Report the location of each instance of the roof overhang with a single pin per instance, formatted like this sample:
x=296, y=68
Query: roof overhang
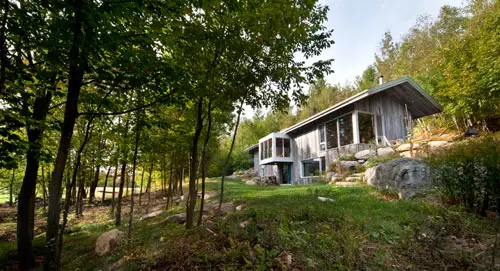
x=404, y=89
x=252, y=148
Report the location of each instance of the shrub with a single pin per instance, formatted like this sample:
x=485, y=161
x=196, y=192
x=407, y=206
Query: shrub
x=377, y=160
x=469, y=174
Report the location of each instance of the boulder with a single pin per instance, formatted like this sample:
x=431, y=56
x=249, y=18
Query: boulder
x=244, y=224
x=437, y=145
x=349, y=164
x=335, y=179
x=240, y=207
x=153, y=214
x=365, y=154
x=108, y=241
x=385, y=151
x=178, y=218
x=406, y=147
x=250, y=182
x=406, y=176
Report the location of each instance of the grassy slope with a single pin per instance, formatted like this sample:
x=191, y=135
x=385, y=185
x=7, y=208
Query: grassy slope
x=360, y=229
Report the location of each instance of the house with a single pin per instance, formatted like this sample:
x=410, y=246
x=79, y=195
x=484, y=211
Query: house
x=371, y=118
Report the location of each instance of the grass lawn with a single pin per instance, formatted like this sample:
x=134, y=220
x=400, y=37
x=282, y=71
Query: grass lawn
x=288, y=227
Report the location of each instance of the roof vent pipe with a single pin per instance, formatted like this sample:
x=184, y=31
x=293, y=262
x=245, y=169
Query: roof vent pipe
x=381, y=80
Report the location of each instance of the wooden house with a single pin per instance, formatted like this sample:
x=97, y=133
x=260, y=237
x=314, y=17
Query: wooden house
x=371, y=118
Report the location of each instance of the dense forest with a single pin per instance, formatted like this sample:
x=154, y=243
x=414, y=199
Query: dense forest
x=150, y=94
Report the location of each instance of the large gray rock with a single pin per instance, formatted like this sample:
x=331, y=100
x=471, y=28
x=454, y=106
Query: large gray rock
x=153, y=214
x=365, y=154
x=406, y=176
x=437, y=145
x=406, y=147
x=178, y=218
x=108, y=241
x=385, y=151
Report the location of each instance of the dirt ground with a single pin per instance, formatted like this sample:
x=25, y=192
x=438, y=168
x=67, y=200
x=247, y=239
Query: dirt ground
x=92, y=213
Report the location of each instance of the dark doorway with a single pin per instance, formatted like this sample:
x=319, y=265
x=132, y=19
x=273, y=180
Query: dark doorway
x=286, y=173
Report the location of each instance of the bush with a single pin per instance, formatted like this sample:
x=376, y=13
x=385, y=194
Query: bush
x=377, y=160
x=469, y=174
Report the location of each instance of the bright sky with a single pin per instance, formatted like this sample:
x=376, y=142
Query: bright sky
x=359, y=26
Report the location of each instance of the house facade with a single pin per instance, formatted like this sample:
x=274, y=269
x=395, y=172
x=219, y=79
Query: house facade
x=371, y=118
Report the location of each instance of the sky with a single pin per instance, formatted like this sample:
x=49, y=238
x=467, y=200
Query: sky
x=358, y=28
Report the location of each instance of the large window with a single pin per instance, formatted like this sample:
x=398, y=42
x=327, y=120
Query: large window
x=366, y=128
x=266, y=149
x=279, y=147
x=282, y=147
x=310, y=168
x=313, y=167
x=345, y=130
x=380, y=132
x=286, y=147
x=331, y=133
x=322, y=138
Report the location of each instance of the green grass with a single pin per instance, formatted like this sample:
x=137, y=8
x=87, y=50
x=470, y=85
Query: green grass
x=360, y=229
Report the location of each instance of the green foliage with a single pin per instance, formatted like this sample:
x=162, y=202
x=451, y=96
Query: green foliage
x=469, y=174
x=377, y=160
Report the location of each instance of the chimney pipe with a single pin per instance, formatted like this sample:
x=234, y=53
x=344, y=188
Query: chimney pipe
x=381, y=80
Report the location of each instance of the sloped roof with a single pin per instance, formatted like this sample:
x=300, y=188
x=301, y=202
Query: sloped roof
x=404, y=89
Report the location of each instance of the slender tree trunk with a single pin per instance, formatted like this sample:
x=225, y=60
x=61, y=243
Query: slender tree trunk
x=181, y=181
x=191, y=202
x=148, y=188
x=228, y=158
x=11, y=186
x=77, y=67
x=113, y=191
x=105, y=185
x=26, y=198
x=142, y=183
x=80, y=196
x=169, y=193
x=93, y=185
x=137, y=134
x=43, y=189
x=204, y=160
x=122, y=181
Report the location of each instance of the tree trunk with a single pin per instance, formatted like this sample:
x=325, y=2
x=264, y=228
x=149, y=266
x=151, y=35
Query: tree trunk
x=122, y=180
x=80, y=195
x=204, y=160
x=134, y=164
x=228, y=158
x=169, y=193
x=26, y=198
x=105, y=185
x=93, y=185
x=142, y=183
x=191, y=202
x=148, y=188
x=77, y=67
x=113, y=191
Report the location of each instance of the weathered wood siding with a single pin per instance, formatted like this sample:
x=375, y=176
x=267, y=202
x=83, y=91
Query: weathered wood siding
x=391, y=110
x=256, y=166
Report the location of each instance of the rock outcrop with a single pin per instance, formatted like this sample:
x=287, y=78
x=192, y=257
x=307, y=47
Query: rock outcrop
x=385, y=151
x=365, y=154
x=407, y=176
x=108, y=241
